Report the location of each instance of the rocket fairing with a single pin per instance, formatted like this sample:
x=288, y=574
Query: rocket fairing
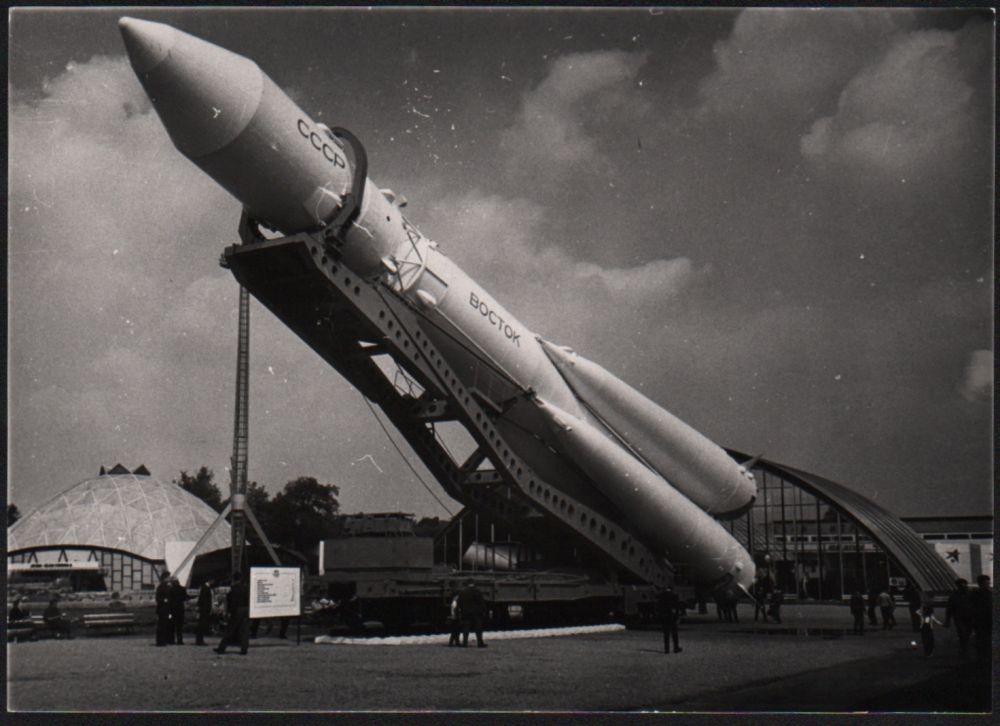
x=295, y=175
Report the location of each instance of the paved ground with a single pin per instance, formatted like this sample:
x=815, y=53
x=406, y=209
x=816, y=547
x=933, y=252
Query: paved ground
x=724, y=667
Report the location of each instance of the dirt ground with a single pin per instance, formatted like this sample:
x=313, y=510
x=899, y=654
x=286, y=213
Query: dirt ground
x=797, y=666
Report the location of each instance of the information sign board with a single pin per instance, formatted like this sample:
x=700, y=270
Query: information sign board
x=275, y=592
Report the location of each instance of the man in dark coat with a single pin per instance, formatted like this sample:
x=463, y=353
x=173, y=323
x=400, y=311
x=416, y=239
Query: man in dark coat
x=56, y=621
x=872, y=605
x=204, y=612
x=733, y=601
x=177, y=596
x=858, y=611
x=471, y=610
x=670, y=611
x=960, y=610
x=164, y=633
x=762, y=595
x=774, y=609
x=17, y=612
x=982, y=618
x=915, y=603
x=238, y=606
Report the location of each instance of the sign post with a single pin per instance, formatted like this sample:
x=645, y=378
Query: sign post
x=275, y=592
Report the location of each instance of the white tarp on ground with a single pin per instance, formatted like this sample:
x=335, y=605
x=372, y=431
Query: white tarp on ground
x=441, y=638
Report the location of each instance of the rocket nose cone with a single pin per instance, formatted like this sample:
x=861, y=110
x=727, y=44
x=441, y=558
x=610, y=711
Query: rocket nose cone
x=147, y=43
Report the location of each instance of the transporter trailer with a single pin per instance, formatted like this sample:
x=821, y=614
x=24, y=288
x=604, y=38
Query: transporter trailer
x=380, y=570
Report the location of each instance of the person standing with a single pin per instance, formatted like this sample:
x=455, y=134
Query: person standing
x=777, y=598
x=872, y=604
x=471, y=608
x=927, y=629
x=177, y=596
x=982, y=618
x=282, y=628
x=887, y=604
x=858, y=611
x=164, y=634
x=959, y=609
x=670, y=613
x=238, y=606
x=762, y=595
x=914, y=601
x=204, y=612
x=453, y=622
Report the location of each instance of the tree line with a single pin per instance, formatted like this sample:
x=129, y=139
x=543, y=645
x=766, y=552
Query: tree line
x=297, y=517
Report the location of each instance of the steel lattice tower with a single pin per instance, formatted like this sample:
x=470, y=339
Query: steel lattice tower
x=238, y=463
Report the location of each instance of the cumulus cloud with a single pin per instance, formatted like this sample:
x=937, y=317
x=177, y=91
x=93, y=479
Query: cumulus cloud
x=550, y=131
x=124, y=326
x=109, y=253
x=500, y=242
x=902, y=113
x=786, y=62
x=978, y=382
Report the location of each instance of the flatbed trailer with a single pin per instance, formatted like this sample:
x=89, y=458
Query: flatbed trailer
x=380, y=571
x=523, y=598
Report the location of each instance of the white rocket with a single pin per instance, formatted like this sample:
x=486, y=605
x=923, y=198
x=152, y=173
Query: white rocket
x=665, y=480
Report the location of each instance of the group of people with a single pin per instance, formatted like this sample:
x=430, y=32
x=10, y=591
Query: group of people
x=767, y=601
x=725, y=606
x=55, y=619
x=171, y=597
x=467, y=610
x=882, y=600
x=970, y=610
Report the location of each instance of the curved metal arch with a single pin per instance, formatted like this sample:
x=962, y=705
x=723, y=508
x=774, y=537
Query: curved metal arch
x=920, y=562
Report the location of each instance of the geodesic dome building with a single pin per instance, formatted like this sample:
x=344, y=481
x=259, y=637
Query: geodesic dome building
x=111, y=532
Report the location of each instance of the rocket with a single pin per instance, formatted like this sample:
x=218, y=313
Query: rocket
x=594, y=434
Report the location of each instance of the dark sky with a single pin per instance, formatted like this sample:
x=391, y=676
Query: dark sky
x=775, y=223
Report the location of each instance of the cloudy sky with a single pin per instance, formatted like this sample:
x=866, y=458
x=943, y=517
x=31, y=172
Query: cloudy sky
x=776, y=223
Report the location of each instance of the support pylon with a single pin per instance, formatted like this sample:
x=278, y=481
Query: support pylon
x=238, y=462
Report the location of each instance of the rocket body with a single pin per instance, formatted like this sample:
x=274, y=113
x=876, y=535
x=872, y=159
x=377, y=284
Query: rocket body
x=290, y=173
x=698, y=467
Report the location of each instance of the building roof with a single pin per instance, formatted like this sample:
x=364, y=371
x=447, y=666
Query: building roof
x=914, y=555
x=952, y=525
x=124, y=511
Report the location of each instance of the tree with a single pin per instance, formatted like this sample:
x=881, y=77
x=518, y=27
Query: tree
x=258, y=499
x=202, y=486
x=13, y=514
x=259, y=502
x=302, y=513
